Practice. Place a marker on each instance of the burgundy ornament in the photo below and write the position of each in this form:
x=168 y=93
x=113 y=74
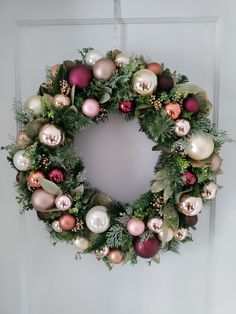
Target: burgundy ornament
x=192 y=104
x=80 y=76
x=56 y=175
x=189 y=221
x=148 y=248
x=189 y=178
x=165 y=83
x=41 y=216
x=126 y=106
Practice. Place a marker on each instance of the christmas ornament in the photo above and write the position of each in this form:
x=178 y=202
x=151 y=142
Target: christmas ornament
x=200 y=147
x=103 y=69
x=189 y=221
x=41 y=216
x=147 y=248
x=102 y=252
x=126 y=106
x=63 y=202
x=67 y=222
x=209 y=190
x=180 y=234
x=61 y=101
x=116 y=256
x=121 y=59
x=34 y=103
x=33 y=178
x=22 y=139
x=166 y=234
x=165 y=83
x=90 y=107
x=97 y=219
x=155 y=224
x=155 y=68
x=191 y=104
x=56 y=226
x=20 y=161
x=80 y=76
x=50 y=135
x=190 y=205
x=135 y=226
x=81 y=243
x=42 y=200
x=144 y=82
x=54 y=70
x=216 y=162
x=182 y=127
x=56 y=175
x=20 y=177
x=189 y=178
x=173 y=110
x=92 y=57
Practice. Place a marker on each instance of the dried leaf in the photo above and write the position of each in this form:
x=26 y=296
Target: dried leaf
x=50 y=186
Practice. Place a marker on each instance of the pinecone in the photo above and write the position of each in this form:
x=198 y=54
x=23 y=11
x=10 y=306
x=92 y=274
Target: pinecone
x=65 y=88
x=158 y=203
x=44 y=162
x=102 y=115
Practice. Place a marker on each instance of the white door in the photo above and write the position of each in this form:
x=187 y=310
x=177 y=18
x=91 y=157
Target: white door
x=196 y=38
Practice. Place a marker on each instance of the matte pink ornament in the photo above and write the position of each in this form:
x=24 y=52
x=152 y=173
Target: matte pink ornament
x=41 y=200
x=148 y=248
x=80 y=76
x=90 y=107
x=135 y=227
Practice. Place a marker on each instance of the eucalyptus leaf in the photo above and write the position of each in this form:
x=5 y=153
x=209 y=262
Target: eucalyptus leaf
x=50 y=186
x=158 y=186
x=105 y=97
x=72 y=95
x=168 y=192
x=73 y=108
x=101 y=199
x=79 y=190
x=156 y=259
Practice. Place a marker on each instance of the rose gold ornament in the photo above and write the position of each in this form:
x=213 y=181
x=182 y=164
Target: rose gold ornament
x=144 y=82
x=216 y=162
x=155 y=224
x=102 y=252
x=182 y=127
x=116 y=256
x=41 y=200
x=190 y=205
x=67 y=222
x=121 y=59
x=90 y=107
x=200 y=147
x=50 y=135
x=173 y=110
x=54 y=70
x=155 y=68
x=23 y=140
x=180 y=234
x=61 y=101
x=33 y=178
x=209 y=190
x=63 y=202
x=166 y=234
x=103 y=69
x=135 y=226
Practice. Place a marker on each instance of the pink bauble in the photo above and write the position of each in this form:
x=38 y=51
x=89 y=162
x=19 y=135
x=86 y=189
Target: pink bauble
x=126 y=106
x=80 y=76
x=63 y=202
x=216 y=162
x=135 y=227
x=148 y=248
x=41 y=200
x=90 y=107
x=189 y=178
x=192 y=104
x=56 y=175
x=155 y=224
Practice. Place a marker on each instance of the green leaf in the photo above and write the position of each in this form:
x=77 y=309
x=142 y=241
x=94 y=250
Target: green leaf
x=168 y=192
x=79 y=190
x=101 y=199
x=50 y=187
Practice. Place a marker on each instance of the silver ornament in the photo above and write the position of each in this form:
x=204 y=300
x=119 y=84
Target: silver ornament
x=144 y=82
x=180 y=234
x=97 y=219
x=182 y=127
x=121 y=59
x=93 y=56
x=20 y=161
x=200 y=147
x=81 y=243
x=56 y=226
x=190 y=205
x=34 y=103
x=210 y=190
x=50 y=135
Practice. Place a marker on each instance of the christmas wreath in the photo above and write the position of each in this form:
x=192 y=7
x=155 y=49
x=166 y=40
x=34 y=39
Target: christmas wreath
x=51 y=177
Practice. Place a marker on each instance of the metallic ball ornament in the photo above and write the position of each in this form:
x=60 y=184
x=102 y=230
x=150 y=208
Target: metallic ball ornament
x=63 y=202
x=121 y=59
x=189 y=178
x=90 y=108
x=61 y=101
x=209 y=190
x=155 y=68
x=192 y=104
x=33 y=178
x=67 y=222
x=56 y=226
x=20 y=161
x=81 y=243
x=165 y=83
x=166 y=234
x=135 y=227
x=34 y=103
x=103 y=69
x=116 y=256
x=23 y=140
x=182 y=127
x=80 y=76
x=200 y=147
x=126 y=106
x=92 y=57
x=50 y=135
x=42 y=200
x=216 y=162
x=97 y=219
x=190 y=205
x=180 y=234
x=173 y=110
x=144 y=82
x=102 y=252
x=56 y=175
x=148 y=248
x=189 y=221
x=155 y=224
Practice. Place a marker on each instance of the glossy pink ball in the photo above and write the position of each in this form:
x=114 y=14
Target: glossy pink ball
x=90 y=107
x=191 y=104
x=148 y=248
x=189 y=178
x=80 y=76
x=135 y=227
